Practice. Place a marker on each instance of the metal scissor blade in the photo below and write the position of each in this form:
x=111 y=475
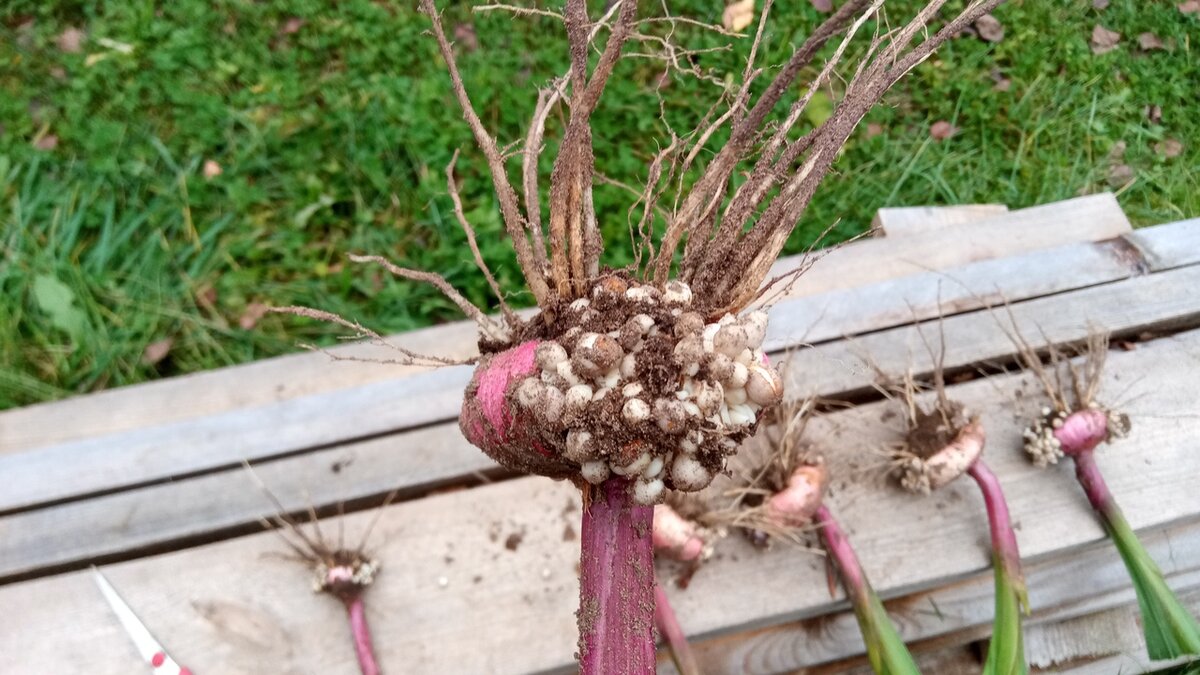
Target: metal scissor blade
x=149 y=648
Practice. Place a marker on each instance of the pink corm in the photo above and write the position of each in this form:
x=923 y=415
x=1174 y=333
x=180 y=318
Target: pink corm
x=675 y=536
x=492 y=423
x=1082 y=431
x=795 y=505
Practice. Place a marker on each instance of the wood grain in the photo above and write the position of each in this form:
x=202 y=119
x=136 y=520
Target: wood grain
x=1091 y=218
x=852 y=311
x=1170 y=245
x=453 y=598
x=1125 y=653
x=902 y=221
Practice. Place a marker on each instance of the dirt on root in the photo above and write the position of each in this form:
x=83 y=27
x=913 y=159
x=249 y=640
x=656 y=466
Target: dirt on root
x=934 y=429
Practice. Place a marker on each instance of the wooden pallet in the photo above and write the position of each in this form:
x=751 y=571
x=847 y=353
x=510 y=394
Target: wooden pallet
x=150 y=475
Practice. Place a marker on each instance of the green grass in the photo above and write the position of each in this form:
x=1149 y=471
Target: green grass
x=333 y=139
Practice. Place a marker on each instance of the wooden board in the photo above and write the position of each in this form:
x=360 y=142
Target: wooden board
x=866 y=261
x=1123 y=653
x=902 y=221
x=852 y=311
x=1170 y=245
x=273 y=380
x=455 y=599
x=436 y=455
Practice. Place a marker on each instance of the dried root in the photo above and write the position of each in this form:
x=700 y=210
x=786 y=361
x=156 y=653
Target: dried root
x=337 y=570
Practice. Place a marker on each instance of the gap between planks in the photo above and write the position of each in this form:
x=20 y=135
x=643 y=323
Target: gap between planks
x=1091 y=218
x=105 y=526
x=453 y=598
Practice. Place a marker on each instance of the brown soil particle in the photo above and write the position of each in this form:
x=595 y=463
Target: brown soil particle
x=513 y=541
x=934 y=429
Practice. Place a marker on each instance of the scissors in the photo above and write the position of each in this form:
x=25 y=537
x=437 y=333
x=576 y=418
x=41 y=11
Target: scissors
x=149 y=648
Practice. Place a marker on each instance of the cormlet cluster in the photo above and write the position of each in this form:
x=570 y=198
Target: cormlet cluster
x=1058 y=432
x=641 y=386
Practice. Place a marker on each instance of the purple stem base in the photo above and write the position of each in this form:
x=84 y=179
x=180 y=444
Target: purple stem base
x=838 y=546
x=362 y=636
x=1004 y=540
x=1093 y=484
x=616 y=584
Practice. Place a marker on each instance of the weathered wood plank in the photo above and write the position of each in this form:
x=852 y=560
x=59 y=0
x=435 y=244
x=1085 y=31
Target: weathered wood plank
x=438 y=454
x=205 y=507
x=1126 y=653
x=213 y=392
x=852 y=311
x=902 y=221
x=279 y=379
x=1090 y=218
x=1103 y=634
x=89 y=529
x=1132 y=304
x=1170 y=245
x=95 y=464
x=509 y=611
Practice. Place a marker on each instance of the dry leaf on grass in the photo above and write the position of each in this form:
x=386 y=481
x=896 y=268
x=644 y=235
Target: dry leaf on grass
x=1153 y=113
x=823 y=6
x=1119 y=175
x=1104 y=40
x=1100 y=4
x=71 y=40
x=1150 y=41
x=1002 y=82
x=254 y=312
x=738 y=15
x=47 y=142
x=874 y=129
x=1189 y=7
x=157 y=351
x=1169 y=148
x=941 y=130
x=989 y=28
x=291 y=26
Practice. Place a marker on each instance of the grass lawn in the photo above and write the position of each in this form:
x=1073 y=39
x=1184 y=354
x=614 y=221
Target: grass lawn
x=331 y=124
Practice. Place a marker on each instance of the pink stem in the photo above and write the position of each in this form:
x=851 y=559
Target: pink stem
x=1004 y=540
x=616 y=584
x=1093 y=484
x=668 y=625
x=843 y=555
x=362 y=636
